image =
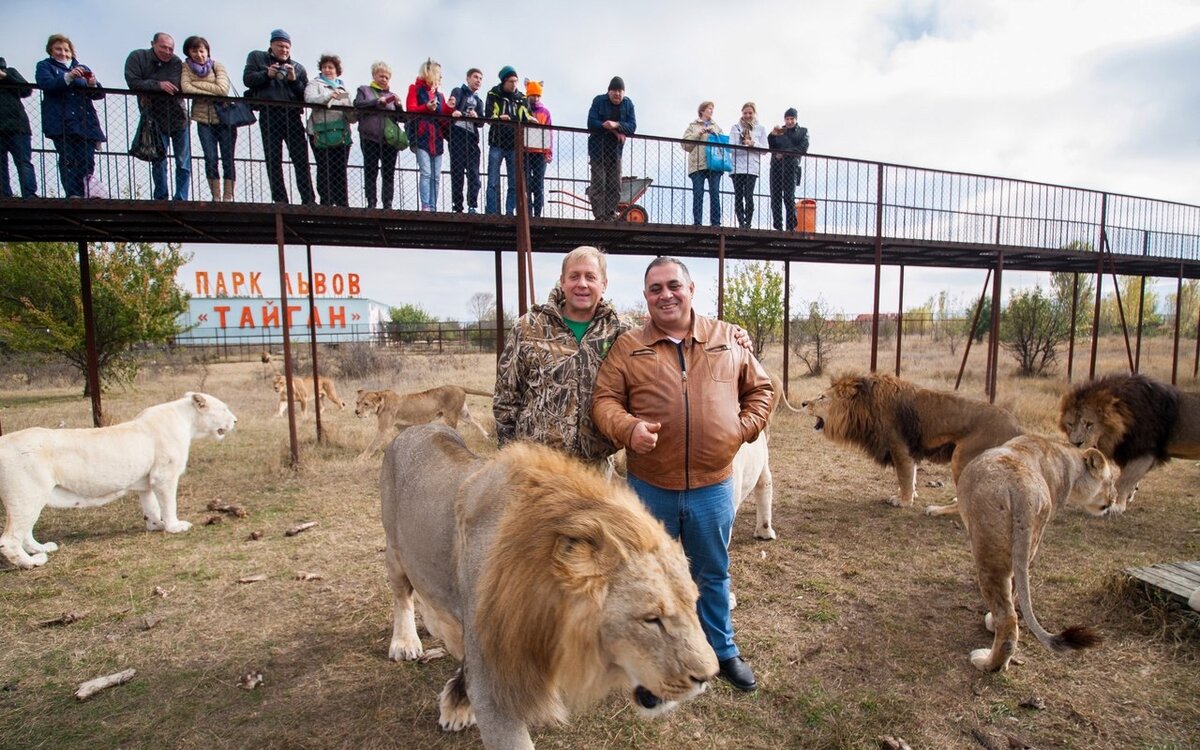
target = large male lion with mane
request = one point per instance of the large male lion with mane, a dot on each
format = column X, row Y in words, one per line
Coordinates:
column 1136, row 421
column 90, row 467
column 550, row 584
column 445, row 402
column 1006, row 497
column 899, row 423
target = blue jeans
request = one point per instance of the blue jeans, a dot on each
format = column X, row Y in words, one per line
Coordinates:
column 178, row 143
column 713, row 178
column 20, row 146
column 535, row 179
column 496, row 154
column 217, row 142
column 76, row 160
column 430, row 174
column 702, row 519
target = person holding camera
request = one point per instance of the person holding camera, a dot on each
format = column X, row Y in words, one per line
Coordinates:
column 204, row 75
column 464, row 142
column 158, row 71
column 272, row 74
column 429, row 134
column 746, row 163
column 788, row 142
column 377, row 103
column 16, row 138
column 69, row 119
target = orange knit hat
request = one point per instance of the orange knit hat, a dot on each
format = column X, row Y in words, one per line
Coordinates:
column 533, row 88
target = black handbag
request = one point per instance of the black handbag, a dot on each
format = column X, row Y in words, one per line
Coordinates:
column 235, row 113
column 147, row 142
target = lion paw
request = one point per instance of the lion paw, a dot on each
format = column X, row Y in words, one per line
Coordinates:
column 402, row 651
column 34, row 561
column 154, row 524
column 456, row 715
column 981, row 658
column 767, row 533
column 177, row 527
column 898, row 502
column 36, row 547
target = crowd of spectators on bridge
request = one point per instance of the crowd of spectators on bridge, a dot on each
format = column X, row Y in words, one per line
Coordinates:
column 387, row 124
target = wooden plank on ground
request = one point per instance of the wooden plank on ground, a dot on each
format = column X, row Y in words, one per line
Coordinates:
column 1176, row 580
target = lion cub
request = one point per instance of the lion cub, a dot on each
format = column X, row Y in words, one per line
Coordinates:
column 302, row 390
column 1006, row 497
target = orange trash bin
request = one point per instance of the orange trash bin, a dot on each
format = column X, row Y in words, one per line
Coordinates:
column 806, row 215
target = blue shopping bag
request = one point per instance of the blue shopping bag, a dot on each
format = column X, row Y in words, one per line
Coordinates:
column 716, row 156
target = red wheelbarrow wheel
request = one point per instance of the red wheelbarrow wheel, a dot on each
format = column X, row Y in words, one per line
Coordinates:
column 636, row 215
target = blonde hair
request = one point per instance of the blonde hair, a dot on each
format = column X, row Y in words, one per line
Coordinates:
column 584, row 252
column 55, row 39
column 430, row 72
column 379, row 65
column 753, row 108
column 703, row 106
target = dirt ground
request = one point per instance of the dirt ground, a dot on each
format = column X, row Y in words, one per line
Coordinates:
column 858, row 619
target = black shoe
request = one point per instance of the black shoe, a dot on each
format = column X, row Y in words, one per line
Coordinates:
column 738, row 673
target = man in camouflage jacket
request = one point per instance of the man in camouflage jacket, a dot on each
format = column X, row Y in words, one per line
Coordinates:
column 545, row 376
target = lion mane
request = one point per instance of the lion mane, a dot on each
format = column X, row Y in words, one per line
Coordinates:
column 547, row 647
column 898, row 423
column 1135, row 421
column 550, row 584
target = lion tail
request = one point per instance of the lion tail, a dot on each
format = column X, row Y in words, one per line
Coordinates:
column 1073, row 638
column 473, row 392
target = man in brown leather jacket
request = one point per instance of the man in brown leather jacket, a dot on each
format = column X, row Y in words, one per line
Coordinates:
column 681, row 396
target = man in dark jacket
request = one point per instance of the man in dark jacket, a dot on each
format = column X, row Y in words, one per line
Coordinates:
column 464, row 142
column 15, row 135
column 275, row 76
column 505, row 104
column 788, row 142
column 610, row 120
column 156, row 72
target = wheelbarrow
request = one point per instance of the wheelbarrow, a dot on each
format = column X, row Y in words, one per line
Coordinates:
column 628, row 209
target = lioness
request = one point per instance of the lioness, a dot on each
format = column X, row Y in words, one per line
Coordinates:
column 302, row 391
column 90, row 467
column 448, row 402
column 550, row 584
column 1135, row 421
column 899, row 423
column 1006, row 496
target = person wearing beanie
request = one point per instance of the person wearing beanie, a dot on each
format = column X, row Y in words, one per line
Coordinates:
column 787, row 142
column 464, row 142
column 610, row 121
column 505, row 105
column 539, row 146
column 272, row 74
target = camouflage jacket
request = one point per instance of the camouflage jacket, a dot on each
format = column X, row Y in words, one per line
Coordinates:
column 544, row 379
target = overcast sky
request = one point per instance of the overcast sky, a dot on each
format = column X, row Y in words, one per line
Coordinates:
column 1097, row 94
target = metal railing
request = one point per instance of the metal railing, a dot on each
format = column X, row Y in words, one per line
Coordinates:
column 913, row 204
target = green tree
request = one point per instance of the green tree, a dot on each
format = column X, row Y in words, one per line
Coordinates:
column 1032, row 328
column 410, row 322
column 1130, row 288
column 1188, row 313
column 1062, row 284
column 754, row 300
column 818, row 335
column 134, row 297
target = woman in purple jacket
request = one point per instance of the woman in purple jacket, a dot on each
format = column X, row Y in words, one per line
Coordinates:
column 68, row 118
column 376, row 104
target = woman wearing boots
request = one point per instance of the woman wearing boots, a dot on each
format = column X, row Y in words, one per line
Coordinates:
column 204, row 75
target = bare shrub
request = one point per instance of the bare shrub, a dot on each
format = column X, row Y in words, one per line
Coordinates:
column 359, row 361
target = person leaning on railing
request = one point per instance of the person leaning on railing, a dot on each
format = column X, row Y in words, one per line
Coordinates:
column 610, row 121
column 539, row 146
column 697, row 133
column 273, row 74
column 204, row 75
column 429, row 134
column 68, row 118
column 15, row 135
column 788, row 142
column 505, row 105
column 157, row 72
column 376, row 103
column 329, row 128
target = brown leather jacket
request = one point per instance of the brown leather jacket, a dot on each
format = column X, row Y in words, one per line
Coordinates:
column 719, row 399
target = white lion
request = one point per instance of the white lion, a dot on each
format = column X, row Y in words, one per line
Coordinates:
column 91, row 467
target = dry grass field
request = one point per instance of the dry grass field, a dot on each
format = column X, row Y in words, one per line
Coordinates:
column 858, row 619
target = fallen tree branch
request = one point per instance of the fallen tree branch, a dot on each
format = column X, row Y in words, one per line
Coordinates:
column 91, row 687
column 301, row 527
